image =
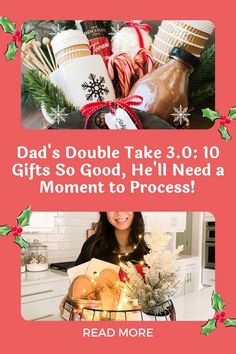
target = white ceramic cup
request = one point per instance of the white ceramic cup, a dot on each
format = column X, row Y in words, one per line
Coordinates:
column 84, row 80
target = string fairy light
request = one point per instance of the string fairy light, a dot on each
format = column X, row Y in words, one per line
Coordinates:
column 135, row 246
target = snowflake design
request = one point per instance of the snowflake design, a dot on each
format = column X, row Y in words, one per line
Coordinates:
column 95, row 87
column 181, row 116
column 58, row 114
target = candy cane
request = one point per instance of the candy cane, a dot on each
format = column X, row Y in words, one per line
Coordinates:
column 125, row 70
column 140, row 64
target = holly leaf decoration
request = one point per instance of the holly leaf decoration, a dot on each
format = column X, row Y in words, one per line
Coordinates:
column 4, row 230
column 217, row 302
column 24, row 218
column 11, row 51
column 28, row 36
column 232, row 113
column 224, row 133
column 230, row 322
column 21, row 242
column 209, row 113
column 208, row 327
column 8, row 26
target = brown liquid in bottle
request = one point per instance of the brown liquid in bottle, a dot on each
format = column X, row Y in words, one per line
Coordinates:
column 164, row 88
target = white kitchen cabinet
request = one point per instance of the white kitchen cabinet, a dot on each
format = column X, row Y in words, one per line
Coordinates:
column 191, row 275
column 42, row 293
column 169, row 221
column 208, row 277
column 41, row 222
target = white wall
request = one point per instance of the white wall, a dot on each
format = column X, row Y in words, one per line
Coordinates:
column 65, row 241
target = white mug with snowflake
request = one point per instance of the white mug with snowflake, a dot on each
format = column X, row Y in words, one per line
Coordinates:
column 84, row 80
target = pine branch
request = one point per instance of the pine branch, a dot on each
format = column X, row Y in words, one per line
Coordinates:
column 44, row 92
column 27, row 101
column 205, row 72
column 203, row 93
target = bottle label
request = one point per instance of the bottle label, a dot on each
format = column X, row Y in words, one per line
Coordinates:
column 97, row 36
column 100, row 45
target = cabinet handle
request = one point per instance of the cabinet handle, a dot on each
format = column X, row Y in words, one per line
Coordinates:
column 40, row 318
column 38, row 293
column 187, row 278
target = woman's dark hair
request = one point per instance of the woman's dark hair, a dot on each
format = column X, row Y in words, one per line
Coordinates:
column 105, row 242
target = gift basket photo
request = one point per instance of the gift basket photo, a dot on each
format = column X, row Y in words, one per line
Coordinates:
column 88, row 74
column 130, row 291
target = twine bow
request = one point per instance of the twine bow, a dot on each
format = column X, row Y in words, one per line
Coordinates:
column 125, row 103
column 138, row 27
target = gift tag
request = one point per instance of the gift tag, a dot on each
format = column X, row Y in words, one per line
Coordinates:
column 68, row 312
column 119, row 120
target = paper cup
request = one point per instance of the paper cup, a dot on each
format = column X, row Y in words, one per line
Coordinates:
column 73, row 52
column 183, row 33
column 159, row 55
column 202, row 28
column 68, row 45
column 161, row 45
column 159, row 48
column 84, row 80
column 176, row 42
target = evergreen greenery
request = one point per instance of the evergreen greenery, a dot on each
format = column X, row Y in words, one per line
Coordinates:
column 44, row 92
column 202, row 81
column 204, row 93
column 26, row 98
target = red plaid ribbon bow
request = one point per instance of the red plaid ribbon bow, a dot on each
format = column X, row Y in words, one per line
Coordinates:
column 125, row 103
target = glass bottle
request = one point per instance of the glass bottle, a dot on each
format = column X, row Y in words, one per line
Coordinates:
column 166, row 87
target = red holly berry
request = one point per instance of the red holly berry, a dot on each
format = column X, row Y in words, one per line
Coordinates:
column 16, row 230
column 222, row 122
column 122, row 275
column 220, row 316
column 17, row 37
column 223, row 117
column 139, row 268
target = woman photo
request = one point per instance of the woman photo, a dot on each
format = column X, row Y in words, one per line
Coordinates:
column 118, row 237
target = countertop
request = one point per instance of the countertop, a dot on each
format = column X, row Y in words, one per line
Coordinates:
column 32, row 278
column 194, row 306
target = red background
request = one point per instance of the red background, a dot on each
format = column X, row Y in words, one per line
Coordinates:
column 213, row 194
